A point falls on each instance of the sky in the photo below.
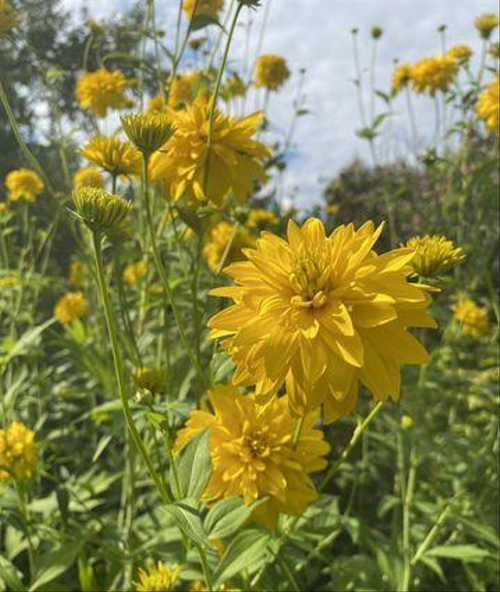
(315, 35)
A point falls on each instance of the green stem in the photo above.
(211, 116)
(163, 275)
(358, 432)
(21, 495)
(205, 567)
(408, 498)
(119, 369)
(288, 573)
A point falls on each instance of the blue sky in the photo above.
(315, 34)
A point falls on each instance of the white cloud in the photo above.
(315, 34)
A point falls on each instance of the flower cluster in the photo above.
(473, 318)
(322, 314)
(24, 185)
(434, 255)
(158, 578)
(271, 72)
(103, 90)
(225, 244)
(190, 168)
(488, 106)
(18, 453)
(254, 454)
(70, 307)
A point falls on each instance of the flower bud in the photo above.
(148, 132)
(99, 210)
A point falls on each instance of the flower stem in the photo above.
(358, 432)
(118, 366)
(163, 276)
(213, 102)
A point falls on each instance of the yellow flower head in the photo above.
(18, 454)
(226, 241)
(407, 422)
(9, 282)
(271, 72)
(461, 53)
(434, 74)
(8, 18)
(147, 131)
(254, 456)
(488, 107)
(70, 307)
(77, 272)
(235, 157)
(210, 8)
(473, 318)
(182, 90)
(159, 578)
(151, 379)
(24, 184)
(486, 24)
(88, 177)
(401, 77)
(434, 255)
(135, 272)
(260, 219)
(157, 104)
(103, 90)
(322, 314)
(113, 155)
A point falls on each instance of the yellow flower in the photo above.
(401, 77)
(332, 209)
(159, 578)
(157, 104)
(182, 90)
(9, 282)
(260, 219)
(486, 24)
(70, 307)
(461, 53)
(210, 8)
(102, 90)
(322, 314)
(434, 255)
(226, 237)
(254, 456)
(18, 454)
(271, 72)
(135, 272)
(199, 586)
(8, 18)
(235, 157)
(473, 318)
(488, 106)
(88, 177)
(24, 184)
(151, 379)
(113, 155)
(433, 74)
(77, 274)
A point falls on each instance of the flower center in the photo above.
(256, 446)
(309, 280)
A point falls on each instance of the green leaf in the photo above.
(188, 519)
(23, 344)
(460, 552)
(226, 517)
(101, 445)
(54, 563)
(10, 576)
(191, 219)
(195, 468)
(244, 551)
(200, 21)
